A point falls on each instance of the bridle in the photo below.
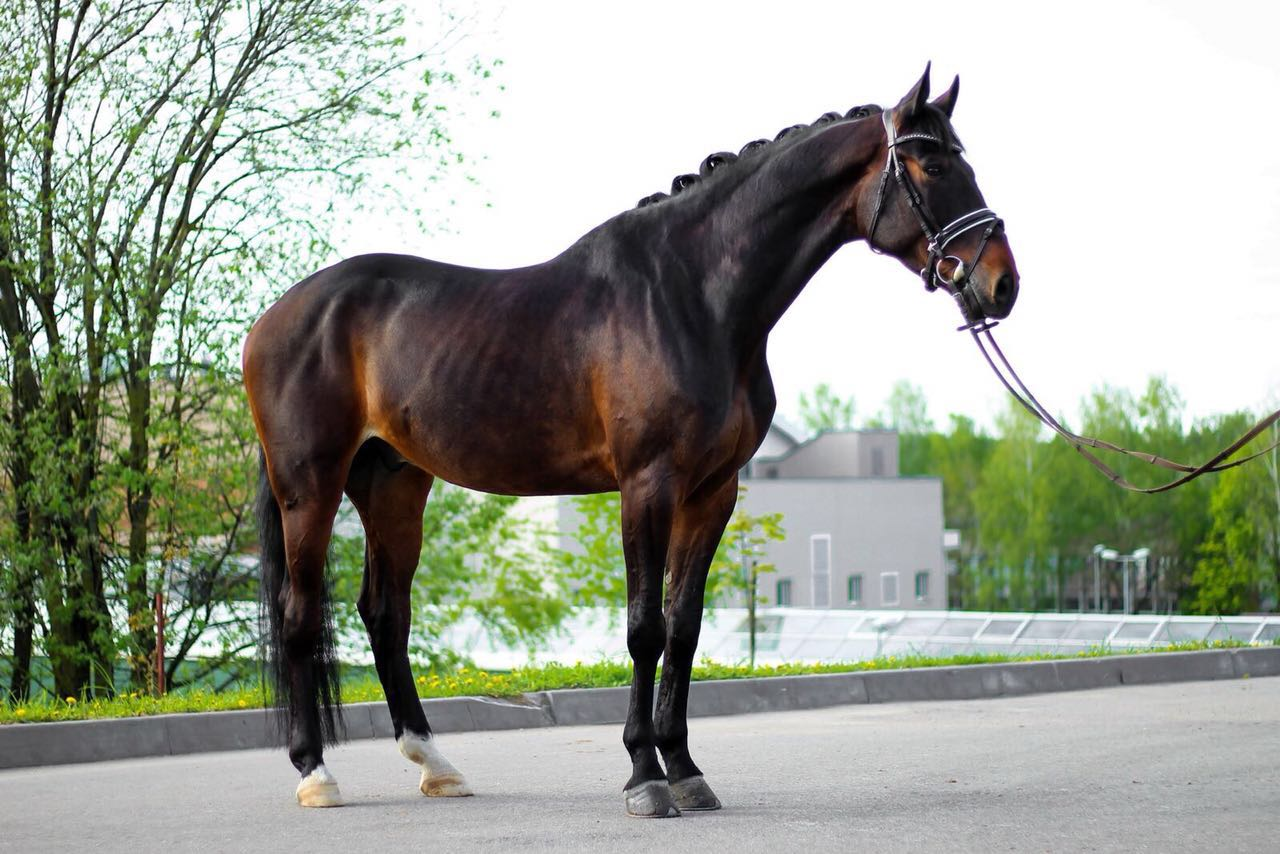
(959, 282)
(977, 324)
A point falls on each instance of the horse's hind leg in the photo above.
(298, 507)
(695, 533)
(390, 495)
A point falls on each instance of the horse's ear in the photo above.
(947, 100)
(914, 100)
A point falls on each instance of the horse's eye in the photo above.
(933, 170)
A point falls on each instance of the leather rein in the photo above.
(958, 285)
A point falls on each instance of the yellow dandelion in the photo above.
(71, 701)
(22, 713)
(243, 704)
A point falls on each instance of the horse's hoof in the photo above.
(651, 799)
(445, 786)
(319, 789)
(693, 793)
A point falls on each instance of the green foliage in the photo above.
(738, 562)
(464, 681)
(825, 410)
(1030, 510)
(1239, 561)
(478, 558)
(739, 558)
(595, 568)
(160, 166)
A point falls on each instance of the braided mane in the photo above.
(721, 159)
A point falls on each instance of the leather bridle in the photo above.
(958, 284)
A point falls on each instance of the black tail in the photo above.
(324, 663)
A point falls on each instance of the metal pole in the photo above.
(1097, 583)
(753, 615)
(749, 581)
(1128, 598)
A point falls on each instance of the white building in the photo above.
(858, 534)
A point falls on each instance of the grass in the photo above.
(467, 681)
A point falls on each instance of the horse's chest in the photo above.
(730, 440)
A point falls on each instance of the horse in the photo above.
(633, 361)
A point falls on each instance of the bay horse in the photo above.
(634, 361)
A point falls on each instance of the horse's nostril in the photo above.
(1004, 290)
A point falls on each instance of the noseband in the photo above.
(960, 281)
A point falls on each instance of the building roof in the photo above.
(834, 453)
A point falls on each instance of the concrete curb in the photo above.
(24, 745)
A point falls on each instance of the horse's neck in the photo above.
(768, 244)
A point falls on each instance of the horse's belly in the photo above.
(508, 455)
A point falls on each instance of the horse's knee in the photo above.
(646, 633)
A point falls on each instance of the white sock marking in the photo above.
(423, 751)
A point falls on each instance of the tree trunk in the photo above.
(138, 588)
(24, 621)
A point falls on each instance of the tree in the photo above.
(1239, 561)
(907, 412)
(595, 568)
(738, 562)
(479, 558)
(160, 162)
(1015, 506)
(825, 410)
(959, 457)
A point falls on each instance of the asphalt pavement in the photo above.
(1181, 767)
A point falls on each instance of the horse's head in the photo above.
(920, 203)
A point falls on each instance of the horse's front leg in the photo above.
(696, 532)
(647, 505)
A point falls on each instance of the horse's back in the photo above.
(477, 376)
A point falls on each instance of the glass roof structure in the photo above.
(814, 636)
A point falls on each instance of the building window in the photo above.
(784, 593)
(855, 589)
(922, 585)
(820, 569)
(888, 588)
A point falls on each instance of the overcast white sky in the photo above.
(1130, 147)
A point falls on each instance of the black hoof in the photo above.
(651, 799)
(693, 793)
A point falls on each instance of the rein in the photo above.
(1028, 401)
(958, 286)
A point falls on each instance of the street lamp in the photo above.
(1102, 553)
(1139, 557)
